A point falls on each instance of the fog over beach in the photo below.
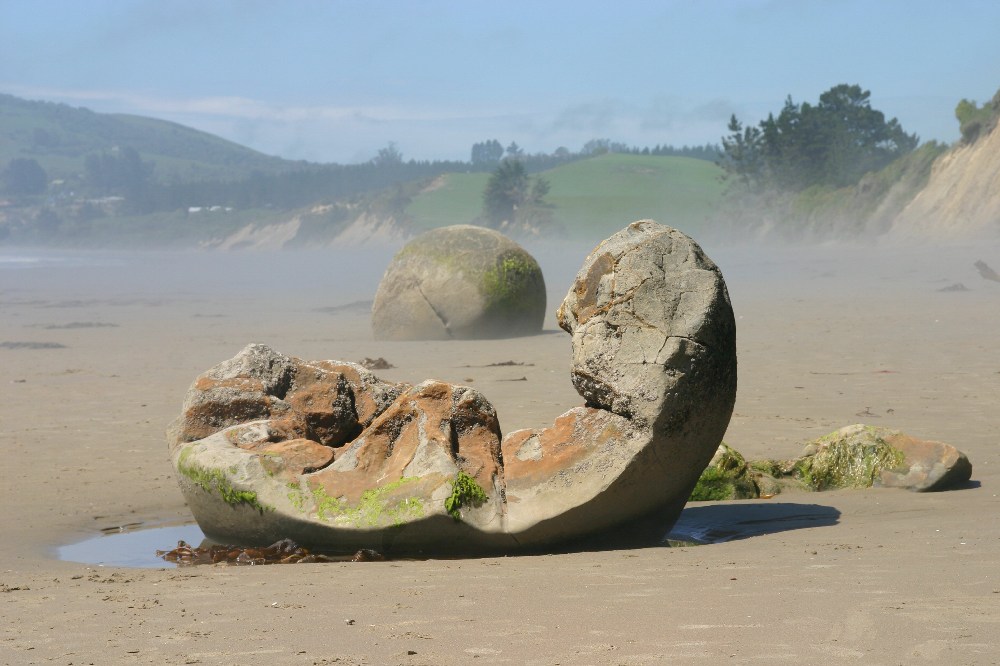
(180, 180)
(827, 336)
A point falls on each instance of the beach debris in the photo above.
(375, 363)
(31, 345)
(368, 555)
(986, 272)
(459, 282)
(330, 455)
(284, 551)
(501, 364)
(957, 287)
(79, 324)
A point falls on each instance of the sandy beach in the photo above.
(98, 349)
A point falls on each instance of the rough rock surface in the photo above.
(654, 344)
(653, 331)
(859, 456)
(269, 446)
(459, 282)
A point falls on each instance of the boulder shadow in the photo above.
(718, 523)
(971, 484)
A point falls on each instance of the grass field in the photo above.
(594, 197)
(454, 198)
(60, 137)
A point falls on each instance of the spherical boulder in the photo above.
(459, 282)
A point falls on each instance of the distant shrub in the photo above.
(975, 121)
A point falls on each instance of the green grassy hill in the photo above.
(60, 137)
(593, 197)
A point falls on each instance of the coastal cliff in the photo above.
(961, 197)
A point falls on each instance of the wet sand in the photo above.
(826, 336)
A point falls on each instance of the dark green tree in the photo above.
(512, 198)
(596, 147)
(487, 153)
(833, 143)
(505, 190)
(740, 155)
(122, 172)
(974, 121)
(388, 156)
(24, 176)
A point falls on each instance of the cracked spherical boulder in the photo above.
(459, 282)
(270, 447)
(654, 356)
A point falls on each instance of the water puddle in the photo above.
(136, 544)
(131, 546)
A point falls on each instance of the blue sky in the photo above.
(337, 80)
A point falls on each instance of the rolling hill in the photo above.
(59, 137)
(195, 171)
(592, 197)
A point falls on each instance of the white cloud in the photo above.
(354, 133)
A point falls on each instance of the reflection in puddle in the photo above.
(130, 547)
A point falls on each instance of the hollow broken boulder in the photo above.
(269, 446)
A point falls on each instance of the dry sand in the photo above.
(827, 337)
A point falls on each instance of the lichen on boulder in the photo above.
(459, 282)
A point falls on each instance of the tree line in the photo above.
(122, 172)
(832, 143)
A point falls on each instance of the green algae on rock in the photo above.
(464, 492)
(861, 456)
(459, 282)
(856, 456)
(727, 477)
(218, 481)
(852, 457)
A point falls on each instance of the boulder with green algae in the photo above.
(270, 446)
(860, 456)
(460, 282)
(727, 477)
(856, 456)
